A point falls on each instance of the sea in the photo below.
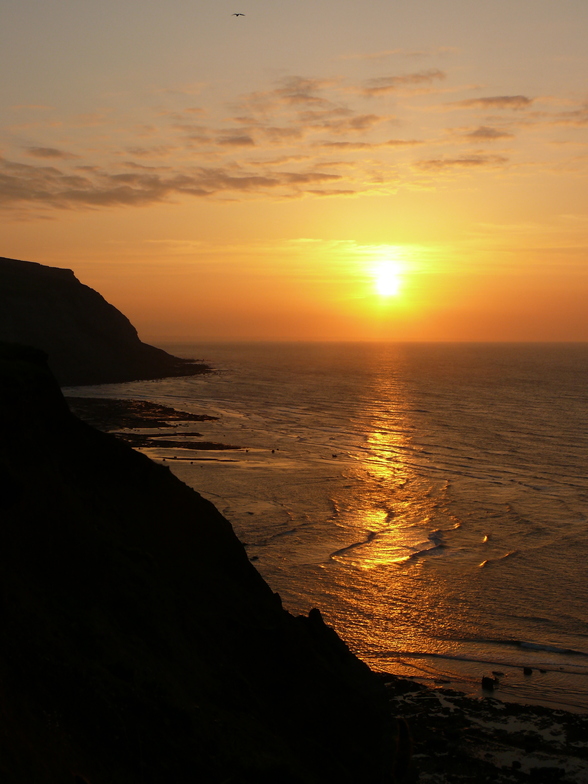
(430, 499)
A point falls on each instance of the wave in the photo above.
(369, 538)
(488, 660)
(435, 538)
(533, 646)
(491, 561)
(530, 646)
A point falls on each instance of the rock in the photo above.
(87, 340)
(527, 670)
(137, 641)
(489, 684)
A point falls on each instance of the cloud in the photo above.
(279, 135)
(336, 123)
(293, 91)
(496, 102)
(382, 85)
(487, 134)
(333, 192)
(50, 186)
(140, 166)
(196, 133)
(280, 161)
(157, 151)
(242, 140)
(577, 117)
(466, 161)
(368, 145)
(49, 152)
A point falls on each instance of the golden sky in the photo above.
(308, 171)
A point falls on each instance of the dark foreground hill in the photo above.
(88, 340)
(137, 642)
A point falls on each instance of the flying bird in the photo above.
(237, 14)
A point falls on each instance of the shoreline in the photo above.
(460, 738)
(502, 740)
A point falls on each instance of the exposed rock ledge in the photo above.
(88, 341)
(137, 642)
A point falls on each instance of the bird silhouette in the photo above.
(237, 14)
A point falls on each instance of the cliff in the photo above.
(88, 341)
(137, 641)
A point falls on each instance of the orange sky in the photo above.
(250, 178)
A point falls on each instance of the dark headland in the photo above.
(87, 340)
(137, 641)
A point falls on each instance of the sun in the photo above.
(387, 278)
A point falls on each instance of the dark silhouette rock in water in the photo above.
(137, 641)
(488, 683)
(88, 341)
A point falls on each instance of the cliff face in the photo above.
(88, 340)
(137, 642)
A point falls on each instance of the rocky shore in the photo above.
(138, 423)
(458, 739)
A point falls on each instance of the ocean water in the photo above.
(431, 499)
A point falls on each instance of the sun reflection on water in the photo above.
(390, 519)
(391, 585)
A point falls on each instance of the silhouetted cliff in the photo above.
(88, 340)
(137, 641)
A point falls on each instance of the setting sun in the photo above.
(387, 279)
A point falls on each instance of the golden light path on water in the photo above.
(392, 588)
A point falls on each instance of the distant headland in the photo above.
(87, 340)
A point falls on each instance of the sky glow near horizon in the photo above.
(217, 177)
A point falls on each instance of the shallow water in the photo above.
(432, 500)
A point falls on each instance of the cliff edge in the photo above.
(88, 341)
(137, 641)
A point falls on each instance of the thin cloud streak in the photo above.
(383, 85)
(486, 133)
(495, 102)
(466, 161)
(49, 152)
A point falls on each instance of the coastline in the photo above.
(455, 737)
